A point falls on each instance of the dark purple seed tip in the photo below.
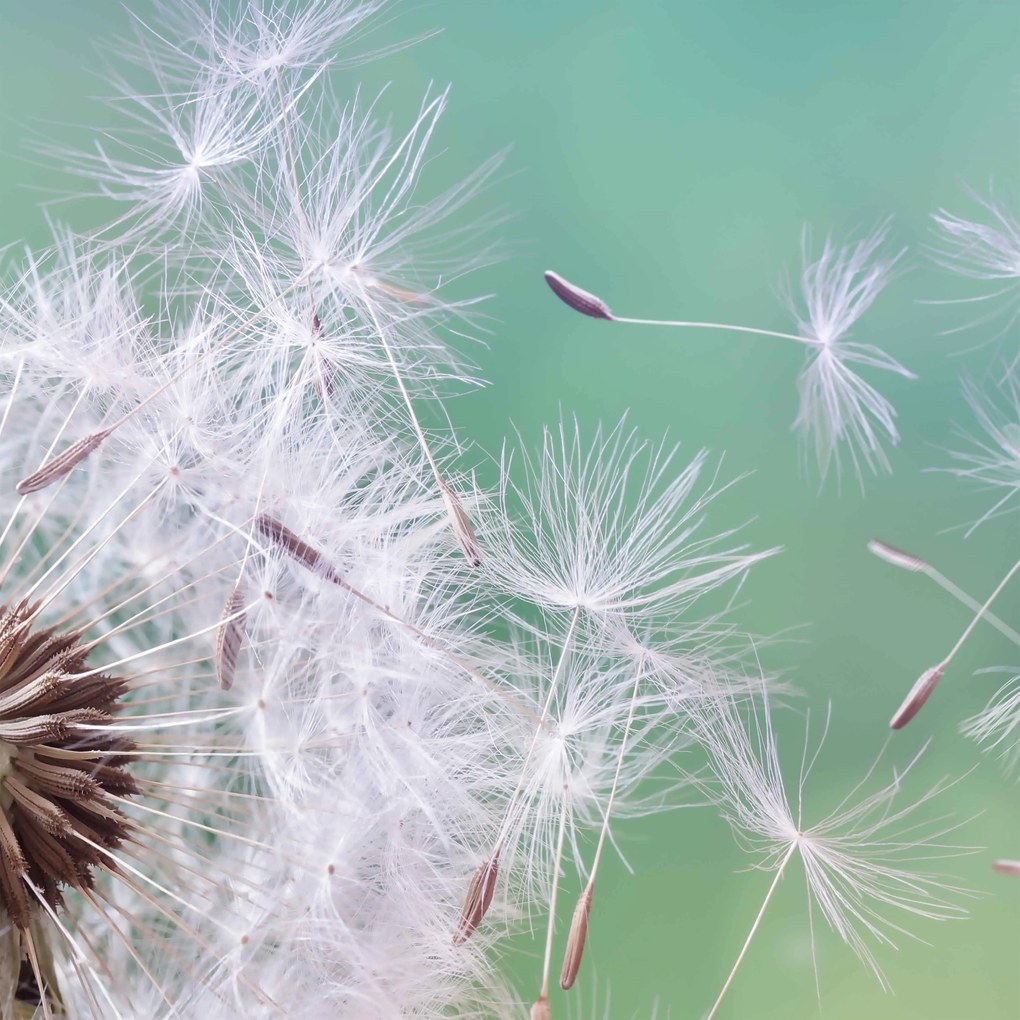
(580, 300)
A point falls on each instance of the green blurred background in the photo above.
(667, 155)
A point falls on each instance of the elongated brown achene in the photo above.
(576, 939)
(919, 694)
(461, 526)
(277, 532)
(574, 297)
(478, 899)
(63, 463)
(229, 638)
(1004, 867)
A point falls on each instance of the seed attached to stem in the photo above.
(229, 639)
(918, 695)
(56, 467)
(478, 899)
(461, 526)
(276, 531)
(576, 939)
(574, 297)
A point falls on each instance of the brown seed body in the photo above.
(576, 940)
(276, 531)
(574, 297)
(919, 694)
(478, 899)
(540, 1010)
(229, 639)
(62, 464)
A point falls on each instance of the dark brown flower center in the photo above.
(58, 767)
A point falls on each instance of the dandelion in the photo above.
(249, 716)
(837, 406)
(858, 860)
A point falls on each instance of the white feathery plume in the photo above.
(985, 249)
(609, 528)
(993, 458)
(859, 860)
(837, 407)
(997, 725)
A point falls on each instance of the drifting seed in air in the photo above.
(896, 557)
(576, 298)
(918, 695)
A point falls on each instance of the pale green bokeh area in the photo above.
(666, 155)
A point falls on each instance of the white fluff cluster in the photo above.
(218, 464)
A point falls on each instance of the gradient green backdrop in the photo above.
(667, 155)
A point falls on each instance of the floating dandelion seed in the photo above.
(858, 861)
(837, 407)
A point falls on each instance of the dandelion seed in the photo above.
(925, 684)
(576, 298)
(918, 566)
(576, 940)
(59, 466)
(276, 531)
(462, 526)
(858, 861)
(229, 638)
(919, 694)
(837, 407)
(478, 899)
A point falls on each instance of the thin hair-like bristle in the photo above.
(576, 940)
(895, 556)
(478, 899)
(55, 468)
(574, 297)
(276, 531)
(918, 695)
(229, 639)
(462, 526)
